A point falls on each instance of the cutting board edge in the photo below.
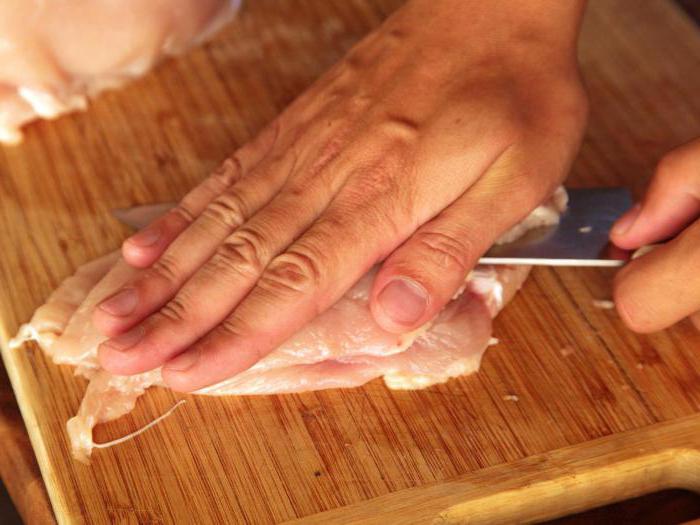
(545, 486)
(29, 416)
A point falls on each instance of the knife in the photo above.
(579, 239)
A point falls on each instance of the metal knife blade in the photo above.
(580, 238)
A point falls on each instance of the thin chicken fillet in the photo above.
(341, 348)
(54, 54)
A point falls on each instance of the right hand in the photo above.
(662, 287)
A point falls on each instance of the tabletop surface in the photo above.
(579, 374)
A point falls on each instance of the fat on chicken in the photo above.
(341, 348)
(54, 54)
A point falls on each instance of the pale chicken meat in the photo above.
(341, 348)
(54, 54)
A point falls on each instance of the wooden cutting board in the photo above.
(570, 410)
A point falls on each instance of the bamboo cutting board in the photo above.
(567, 402)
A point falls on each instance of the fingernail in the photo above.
(404, 301)
(121, 303)
(184, 361)
(626, 222)
(127, 340)
(145, 238)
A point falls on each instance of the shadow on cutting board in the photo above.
(8, 514)
(670, 507)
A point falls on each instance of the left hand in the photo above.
(436, 134)
(663, 287)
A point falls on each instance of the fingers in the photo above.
(661, 287)
(297, 285)
(153, 287)
(214, 290)
(294, 287)
(421, 276)
(214, 263)
(309, 277)
(671, 203)
(144, 247)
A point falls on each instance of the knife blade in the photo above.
(579, 239)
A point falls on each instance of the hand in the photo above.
(663, 286)
(433, 136)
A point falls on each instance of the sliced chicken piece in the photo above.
(56, 53)
(343, 347)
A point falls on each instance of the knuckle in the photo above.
(175, 311)
(253, 151)
(401, 128)
(233, 327)
(328, 152)
(318, 172)
(225, 175)
(446, 251)
(236, 328)
(377, 181)
(166, 268)
(228, 210)
(297, 272)
(243, 252)
(336, 220)
(183, 211)
(392, 214)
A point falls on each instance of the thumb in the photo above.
(418, 279)
(672, 201)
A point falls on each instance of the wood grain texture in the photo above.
(545, 485)
(578, 374)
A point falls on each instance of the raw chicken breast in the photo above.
(341, 348)
(56, 53)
